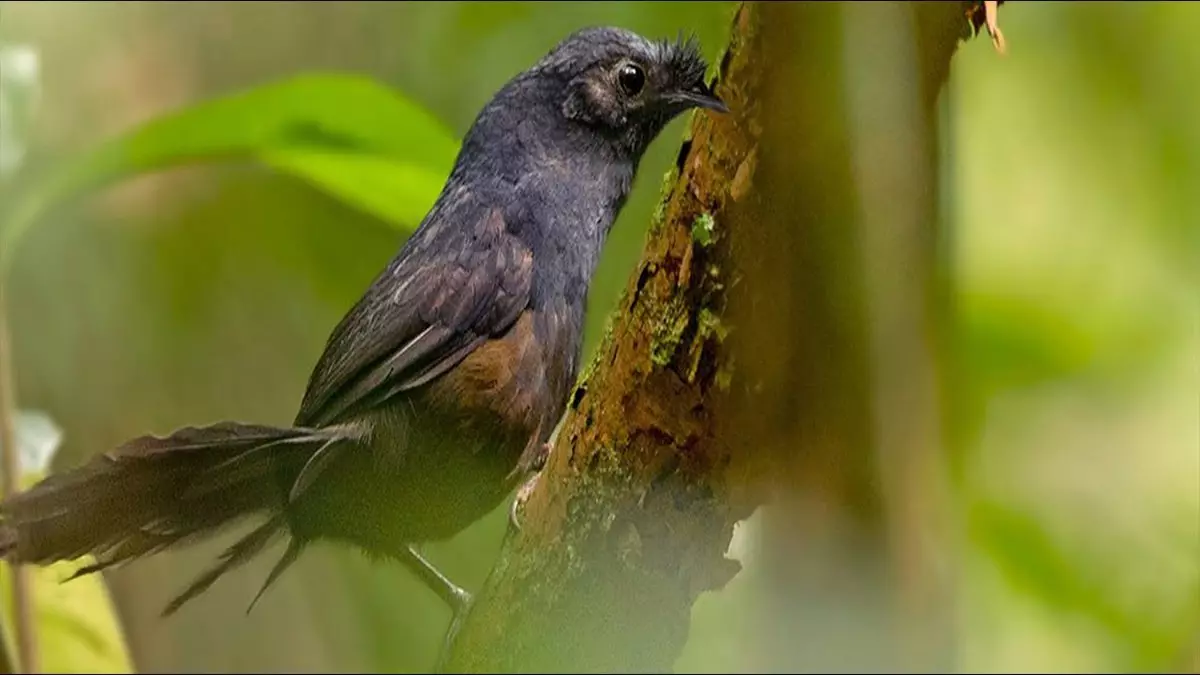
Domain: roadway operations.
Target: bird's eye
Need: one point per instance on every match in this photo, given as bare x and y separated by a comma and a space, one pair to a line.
631, 78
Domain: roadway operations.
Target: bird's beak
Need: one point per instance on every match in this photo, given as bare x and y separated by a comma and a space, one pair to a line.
701, 96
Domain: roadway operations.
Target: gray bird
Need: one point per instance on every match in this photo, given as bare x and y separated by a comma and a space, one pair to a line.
437, 393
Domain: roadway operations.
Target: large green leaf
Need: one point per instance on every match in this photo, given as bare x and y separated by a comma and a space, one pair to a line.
334, 131
392, 190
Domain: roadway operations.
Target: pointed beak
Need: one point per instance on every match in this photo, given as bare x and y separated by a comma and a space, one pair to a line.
701, 96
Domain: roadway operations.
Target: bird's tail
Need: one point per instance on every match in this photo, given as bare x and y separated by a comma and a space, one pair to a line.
154, 493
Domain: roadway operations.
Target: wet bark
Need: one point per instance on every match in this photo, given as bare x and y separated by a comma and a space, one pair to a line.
750, 361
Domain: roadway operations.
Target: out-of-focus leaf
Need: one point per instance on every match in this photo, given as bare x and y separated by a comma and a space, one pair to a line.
19, 93
38, 437
324, 110
78, 630
1012, 342
329, 112
392, 190
1036, 563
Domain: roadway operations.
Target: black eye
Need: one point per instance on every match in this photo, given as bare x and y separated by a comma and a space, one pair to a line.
632, 78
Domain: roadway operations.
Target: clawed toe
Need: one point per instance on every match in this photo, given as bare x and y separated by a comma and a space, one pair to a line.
522, 496
514, 519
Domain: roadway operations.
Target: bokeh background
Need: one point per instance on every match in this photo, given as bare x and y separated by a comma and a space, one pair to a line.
206, 293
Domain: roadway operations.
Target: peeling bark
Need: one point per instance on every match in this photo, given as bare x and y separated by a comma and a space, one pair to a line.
735, 368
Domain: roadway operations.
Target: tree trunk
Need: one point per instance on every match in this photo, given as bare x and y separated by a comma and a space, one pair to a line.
773, 346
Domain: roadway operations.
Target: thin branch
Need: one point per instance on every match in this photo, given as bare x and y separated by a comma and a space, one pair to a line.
22, 589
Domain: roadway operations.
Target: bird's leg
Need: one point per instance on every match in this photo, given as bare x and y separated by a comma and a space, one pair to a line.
536, 465
455, 596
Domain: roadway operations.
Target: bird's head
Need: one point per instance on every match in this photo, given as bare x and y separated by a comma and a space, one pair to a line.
626, 86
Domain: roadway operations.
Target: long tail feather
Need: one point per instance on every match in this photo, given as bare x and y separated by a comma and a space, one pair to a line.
295, 547
235, 556
155, 493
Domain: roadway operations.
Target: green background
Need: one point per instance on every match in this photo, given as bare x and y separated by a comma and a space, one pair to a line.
206, 293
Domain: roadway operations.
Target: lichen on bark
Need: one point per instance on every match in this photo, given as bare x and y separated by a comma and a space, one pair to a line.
632, 514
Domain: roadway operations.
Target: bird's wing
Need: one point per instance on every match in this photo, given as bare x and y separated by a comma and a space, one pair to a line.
431, 307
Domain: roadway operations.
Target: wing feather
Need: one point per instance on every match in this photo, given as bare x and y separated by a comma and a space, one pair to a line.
440, 298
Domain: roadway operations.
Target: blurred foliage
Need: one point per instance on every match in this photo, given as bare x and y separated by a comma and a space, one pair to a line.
78, 628
344, 134
1076, 260
207, 293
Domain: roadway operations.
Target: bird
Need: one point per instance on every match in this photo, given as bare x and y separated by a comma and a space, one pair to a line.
438, 390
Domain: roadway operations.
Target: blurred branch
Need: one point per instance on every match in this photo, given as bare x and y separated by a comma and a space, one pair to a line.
742, 337
25, 627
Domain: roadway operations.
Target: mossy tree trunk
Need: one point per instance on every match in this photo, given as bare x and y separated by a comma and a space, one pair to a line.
751, 358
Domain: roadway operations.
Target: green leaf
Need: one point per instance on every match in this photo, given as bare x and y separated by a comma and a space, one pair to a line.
78, 629
394, 191
327, 112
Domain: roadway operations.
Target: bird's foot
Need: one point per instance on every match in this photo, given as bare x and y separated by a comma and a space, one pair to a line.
526, 489
456, 598
514, 511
